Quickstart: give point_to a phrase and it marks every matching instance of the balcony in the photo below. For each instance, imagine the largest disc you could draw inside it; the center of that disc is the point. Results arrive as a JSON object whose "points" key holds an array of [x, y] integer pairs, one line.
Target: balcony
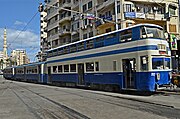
{"points": [[65, 4], [63, 32], [52, 14], [52, 2], [155, 16], [53, 37], [105, 4], [51, 26], [65, 18], [75, 5], [136, 15]]}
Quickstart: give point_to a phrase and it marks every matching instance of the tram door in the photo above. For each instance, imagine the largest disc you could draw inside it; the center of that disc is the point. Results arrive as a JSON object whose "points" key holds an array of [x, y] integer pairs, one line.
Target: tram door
{"points": [[49, 75], [39, 73], [81, 74], [129, 69]]}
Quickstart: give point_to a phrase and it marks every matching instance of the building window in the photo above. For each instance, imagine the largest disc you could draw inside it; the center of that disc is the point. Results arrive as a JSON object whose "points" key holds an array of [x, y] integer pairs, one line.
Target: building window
{"points": [[89, 4], [172, 28], [172, 10], [91, 34], [72, 67], [108, 30], [84, 8], [128, 7], [114, 65], [66, 68], [84, 36], [90, 66]]}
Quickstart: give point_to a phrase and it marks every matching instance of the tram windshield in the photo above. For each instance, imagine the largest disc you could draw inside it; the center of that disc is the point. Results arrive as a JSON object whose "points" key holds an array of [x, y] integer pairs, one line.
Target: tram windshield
{"points": [[152, 32], [160, 63]]}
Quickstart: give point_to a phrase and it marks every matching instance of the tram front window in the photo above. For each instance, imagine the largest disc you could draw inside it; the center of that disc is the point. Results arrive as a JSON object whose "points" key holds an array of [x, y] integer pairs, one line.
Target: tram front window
{"points": [[151, 32], [160, 63], [167, 63]]}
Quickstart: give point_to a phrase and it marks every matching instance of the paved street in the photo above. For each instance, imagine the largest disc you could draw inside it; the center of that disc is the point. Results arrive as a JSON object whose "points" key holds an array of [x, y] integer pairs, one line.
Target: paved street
{"points": [[20, 100]]}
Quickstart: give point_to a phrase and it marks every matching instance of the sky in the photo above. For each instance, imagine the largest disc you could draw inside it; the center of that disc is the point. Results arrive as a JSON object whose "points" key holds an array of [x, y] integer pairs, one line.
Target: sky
{"points": [[15, 15]]}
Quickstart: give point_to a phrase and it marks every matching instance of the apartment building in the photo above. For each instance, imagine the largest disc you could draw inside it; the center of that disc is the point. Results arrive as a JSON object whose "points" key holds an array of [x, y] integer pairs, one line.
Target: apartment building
{"points": [[43, 36], [64, 26], [19, 57]]}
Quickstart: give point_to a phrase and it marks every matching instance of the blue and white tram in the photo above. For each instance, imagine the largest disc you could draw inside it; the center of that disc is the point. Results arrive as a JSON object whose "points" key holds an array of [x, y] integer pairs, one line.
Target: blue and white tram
{"points": [[137, 57], [34, 72]]}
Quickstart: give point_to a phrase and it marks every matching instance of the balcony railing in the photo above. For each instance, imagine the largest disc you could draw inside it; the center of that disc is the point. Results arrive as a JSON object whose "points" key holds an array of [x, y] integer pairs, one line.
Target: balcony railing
{"points": [[136, 15], [64, 31], [105, 4], [51, 26], [65, 18]]}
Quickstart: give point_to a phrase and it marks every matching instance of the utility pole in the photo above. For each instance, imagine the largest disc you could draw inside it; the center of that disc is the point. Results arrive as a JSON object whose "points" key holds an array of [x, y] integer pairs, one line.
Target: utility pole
{"points": [[116, 17]]}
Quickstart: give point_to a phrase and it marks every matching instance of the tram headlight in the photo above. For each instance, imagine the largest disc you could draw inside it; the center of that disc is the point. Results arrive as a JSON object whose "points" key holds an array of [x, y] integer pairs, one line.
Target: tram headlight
{"points": [[170, 75], [158, 76]]}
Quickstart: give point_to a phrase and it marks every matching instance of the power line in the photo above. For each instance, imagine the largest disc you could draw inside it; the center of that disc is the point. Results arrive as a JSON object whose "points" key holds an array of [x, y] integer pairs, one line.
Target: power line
{"points": [[24, 29]]}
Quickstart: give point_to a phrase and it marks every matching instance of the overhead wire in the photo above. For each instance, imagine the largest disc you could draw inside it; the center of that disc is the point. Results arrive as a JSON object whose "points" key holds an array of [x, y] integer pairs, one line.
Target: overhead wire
{"points": [[24, 29]]}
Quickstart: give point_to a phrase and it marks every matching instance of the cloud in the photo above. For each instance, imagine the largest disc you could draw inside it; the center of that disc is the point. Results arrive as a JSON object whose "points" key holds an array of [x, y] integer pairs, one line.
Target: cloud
{"points": [[19, 23], [21, 40]]}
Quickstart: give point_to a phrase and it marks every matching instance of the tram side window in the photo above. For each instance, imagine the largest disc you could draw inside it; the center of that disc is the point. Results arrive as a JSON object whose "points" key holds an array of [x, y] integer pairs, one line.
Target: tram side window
{"points": [[126, 35], [111, 36], [60, 51], [66, 50], [80, 46], [66, 68], [54, 52], [73, 48], [60, 68], [89, 44], [50, 54], [114, 65], [144, 62], [54, 69], [97, 66], [72, 67], [99, 42], [89, 66]]}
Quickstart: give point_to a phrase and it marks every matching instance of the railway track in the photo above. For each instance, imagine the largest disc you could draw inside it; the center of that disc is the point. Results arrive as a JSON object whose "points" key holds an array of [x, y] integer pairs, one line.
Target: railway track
{"points": [[41, 111], [63, 111]]}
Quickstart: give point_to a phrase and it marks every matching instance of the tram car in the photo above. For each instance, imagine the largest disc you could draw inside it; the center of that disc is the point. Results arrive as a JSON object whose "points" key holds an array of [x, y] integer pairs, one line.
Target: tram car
{"points": [[34, 72], [134, 58]]}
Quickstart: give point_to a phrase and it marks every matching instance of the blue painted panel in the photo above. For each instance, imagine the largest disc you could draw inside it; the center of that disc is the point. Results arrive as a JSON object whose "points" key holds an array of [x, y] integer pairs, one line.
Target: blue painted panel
{"points": [[136, 33], [19, 76], [147, 80], [33, 77], [65, 77], [44, 78], [104, 78], [111, 41]]}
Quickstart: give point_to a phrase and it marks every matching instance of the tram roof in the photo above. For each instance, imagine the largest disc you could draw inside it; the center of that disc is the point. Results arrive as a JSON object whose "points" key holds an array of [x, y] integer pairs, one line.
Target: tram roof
{"points": [[138, 25]]}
